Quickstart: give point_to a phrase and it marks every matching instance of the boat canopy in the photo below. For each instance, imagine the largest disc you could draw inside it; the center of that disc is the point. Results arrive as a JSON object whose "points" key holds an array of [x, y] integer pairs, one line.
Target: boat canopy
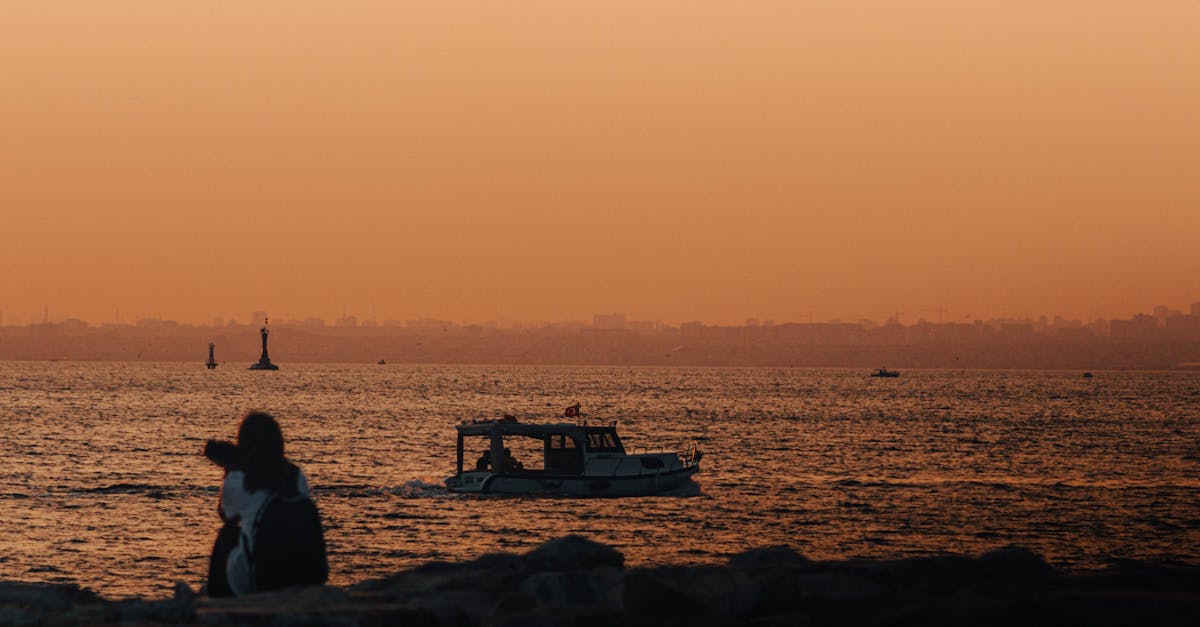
{"points": [[512, 427], [563, 444], [598, 439]]}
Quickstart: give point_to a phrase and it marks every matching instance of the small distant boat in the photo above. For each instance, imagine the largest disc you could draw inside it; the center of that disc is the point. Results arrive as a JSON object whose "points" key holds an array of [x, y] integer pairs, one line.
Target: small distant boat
{"points": [[382, 361], [885, 373], [577, 460], [1087, 375], [212, 361]]}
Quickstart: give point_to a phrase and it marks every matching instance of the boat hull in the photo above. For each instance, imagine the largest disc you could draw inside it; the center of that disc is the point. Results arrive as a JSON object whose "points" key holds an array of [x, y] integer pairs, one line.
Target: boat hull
{"points": [[571, 485]]}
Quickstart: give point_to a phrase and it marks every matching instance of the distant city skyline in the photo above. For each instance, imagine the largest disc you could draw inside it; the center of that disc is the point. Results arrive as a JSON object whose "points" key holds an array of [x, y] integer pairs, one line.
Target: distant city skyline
{"points": [[1163, 338], [609, 319]]}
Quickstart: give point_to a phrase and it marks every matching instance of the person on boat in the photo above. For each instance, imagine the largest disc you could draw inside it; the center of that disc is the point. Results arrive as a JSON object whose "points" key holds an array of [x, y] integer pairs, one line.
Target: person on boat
{"points": [[510, 463], [484, 461], [272, 536]]}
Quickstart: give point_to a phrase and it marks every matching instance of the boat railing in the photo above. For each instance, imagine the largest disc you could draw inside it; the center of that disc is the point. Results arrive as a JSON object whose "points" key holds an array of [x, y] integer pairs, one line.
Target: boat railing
{"points": [[645, 450], [689, 456], [690, 453]]}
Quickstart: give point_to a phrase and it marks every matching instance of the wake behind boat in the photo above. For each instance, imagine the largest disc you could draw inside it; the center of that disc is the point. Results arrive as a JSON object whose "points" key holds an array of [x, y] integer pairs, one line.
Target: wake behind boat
{"points": [[575, 460]]}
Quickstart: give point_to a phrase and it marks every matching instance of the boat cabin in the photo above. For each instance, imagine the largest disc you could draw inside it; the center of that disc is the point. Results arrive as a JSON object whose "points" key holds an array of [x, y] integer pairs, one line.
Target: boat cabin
{"points": [[557, 449]]}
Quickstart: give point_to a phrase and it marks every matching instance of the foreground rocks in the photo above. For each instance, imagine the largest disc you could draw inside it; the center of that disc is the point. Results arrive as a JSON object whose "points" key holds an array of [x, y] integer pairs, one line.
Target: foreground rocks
{"points": [[576, 582]]}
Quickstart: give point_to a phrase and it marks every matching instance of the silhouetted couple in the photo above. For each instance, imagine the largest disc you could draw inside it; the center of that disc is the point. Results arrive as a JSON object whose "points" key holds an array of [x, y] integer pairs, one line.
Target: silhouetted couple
{"points": [[272, 536], [509, 463]]}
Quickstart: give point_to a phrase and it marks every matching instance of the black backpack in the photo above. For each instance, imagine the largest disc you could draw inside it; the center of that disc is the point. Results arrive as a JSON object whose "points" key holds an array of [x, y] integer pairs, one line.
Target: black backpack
{"points": [[289, 544]]}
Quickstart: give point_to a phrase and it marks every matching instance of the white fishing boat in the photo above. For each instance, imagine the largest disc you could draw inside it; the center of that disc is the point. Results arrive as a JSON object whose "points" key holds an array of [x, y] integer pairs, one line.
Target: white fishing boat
{"points": [[574, 460]]}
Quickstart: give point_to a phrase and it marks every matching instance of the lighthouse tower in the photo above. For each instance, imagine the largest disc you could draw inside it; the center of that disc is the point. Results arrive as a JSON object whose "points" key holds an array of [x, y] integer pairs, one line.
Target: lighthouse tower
{"points": [[212, 361], [264, 362]]}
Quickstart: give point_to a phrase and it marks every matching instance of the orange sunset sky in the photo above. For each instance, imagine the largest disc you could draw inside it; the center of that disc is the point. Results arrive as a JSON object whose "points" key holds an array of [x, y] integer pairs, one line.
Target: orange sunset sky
{"points": [[550, 160]]}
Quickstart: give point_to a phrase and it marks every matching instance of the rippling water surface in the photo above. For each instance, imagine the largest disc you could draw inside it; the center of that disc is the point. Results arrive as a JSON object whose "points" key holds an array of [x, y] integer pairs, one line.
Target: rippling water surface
{"points": [[102, 482]]}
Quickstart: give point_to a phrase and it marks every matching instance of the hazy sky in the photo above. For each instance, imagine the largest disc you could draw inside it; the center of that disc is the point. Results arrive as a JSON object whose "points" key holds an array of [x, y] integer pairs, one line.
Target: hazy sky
{"points": [[549, 160]]}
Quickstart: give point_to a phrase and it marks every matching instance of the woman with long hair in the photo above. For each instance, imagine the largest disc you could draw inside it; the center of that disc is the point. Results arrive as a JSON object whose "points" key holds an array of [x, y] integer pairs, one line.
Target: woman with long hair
{"points": [[264, 494]]}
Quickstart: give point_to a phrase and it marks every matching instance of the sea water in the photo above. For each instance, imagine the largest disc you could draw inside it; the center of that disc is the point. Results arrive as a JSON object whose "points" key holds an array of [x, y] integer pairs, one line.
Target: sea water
{"points": [[102, 482]]}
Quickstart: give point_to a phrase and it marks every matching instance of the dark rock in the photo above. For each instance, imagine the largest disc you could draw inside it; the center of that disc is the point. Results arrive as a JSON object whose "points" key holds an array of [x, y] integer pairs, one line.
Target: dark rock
{"points": [[45, 596], [170, 611], [288, 599], [768, 557], [952, 572], [579, 583], [938, 573], [84, 615], [490, 572], [342, 614], [789, 620], [457, 607], [1014, 560], [573, 553], [50, 604], [184, 592], [557, 616], [500, 564], [722, 590], [515, 603], [316, 605], [781, 592], [600, 587], [650, 596], [758, 592]]}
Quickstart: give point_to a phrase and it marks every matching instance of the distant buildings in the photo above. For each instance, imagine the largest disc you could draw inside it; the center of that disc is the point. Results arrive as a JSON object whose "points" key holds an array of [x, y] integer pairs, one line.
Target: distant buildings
{"points": [[1016, 330], [1075, 334], [1163, 338], [1181, 328], [609, 321], [1161, 313], [643, 326], [1140, 328], [430, 324]]}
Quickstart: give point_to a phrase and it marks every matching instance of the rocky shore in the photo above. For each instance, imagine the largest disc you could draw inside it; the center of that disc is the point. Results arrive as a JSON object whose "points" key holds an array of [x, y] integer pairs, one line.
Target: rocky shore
{"points": [[577, 582]]}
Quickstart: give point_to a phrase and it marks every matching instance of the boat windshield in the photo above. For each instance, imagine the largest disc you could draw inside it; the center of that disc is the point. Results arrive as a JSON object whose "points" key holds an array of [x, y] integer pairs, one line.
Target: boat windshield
{"points": [[558, 441], [604, 441]]}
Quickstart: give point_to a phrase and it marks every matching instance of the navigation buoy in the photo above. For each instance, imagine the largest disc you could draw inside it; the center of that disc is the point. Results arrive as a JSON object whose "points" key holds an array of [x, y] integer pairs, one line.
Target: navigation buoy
{"points": [[264, 362]]}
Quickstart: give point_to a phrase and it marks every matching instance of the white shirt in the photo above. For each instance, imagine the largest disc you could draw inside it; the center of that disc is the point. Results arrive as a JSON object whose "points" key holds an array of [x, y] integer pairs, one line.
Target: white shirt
{"points": [[242, 506]]}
